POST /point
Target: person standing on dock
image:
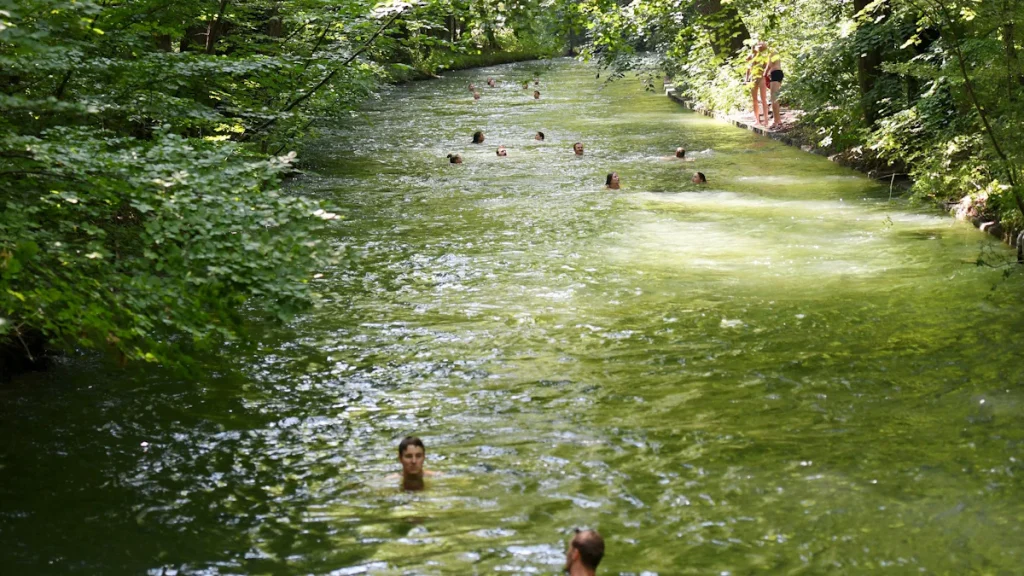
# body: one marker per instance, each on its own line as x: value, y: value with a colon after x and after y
x: 585, y: 552
x: 755, y: 76
x: 772, y: 78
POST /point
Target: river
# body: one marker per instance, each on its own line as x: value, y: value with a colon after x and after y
x: 780, y: 371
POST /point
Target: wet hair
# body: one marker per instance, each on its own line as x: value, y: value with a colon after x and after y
x: 454, y: 158
x: 478, y: 137
x: 608, y: 179
x: 541, y: 134
x: 574, y: 144
x: 413, y: 441
x: 536, y: 93
x: 591, y: 547
x: 700, y: 176
x: 680, y: 152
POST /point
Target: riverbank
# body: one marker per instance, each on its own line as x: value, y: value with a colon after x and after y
x: 967, y: 209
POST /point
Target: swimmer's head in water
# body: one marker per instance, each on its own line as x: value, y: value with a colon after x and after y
x: 699, y: 178
x: 578, y: 148
x: 476, y: 95
x: 472, y: 86
x: 586, y: 549
x: 536, y: 94
x: 612, y: 180
x: 539, y: 136
x: 526, y: 85
x: 490, y: 82
x: 455, y: 158
x: 412, y: 453
x: 680, y: 152
x: 501, y: 151
x: 478, y: 137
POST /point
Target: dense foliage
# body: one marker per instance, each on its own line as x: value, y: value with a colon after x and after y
x: 931, y: 85
x: 143, y: 144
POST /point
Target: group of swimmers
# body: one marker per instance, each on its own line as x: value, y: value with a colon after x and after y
x: 585, y: 549
x: 492, y: 84
x: 611, y: 180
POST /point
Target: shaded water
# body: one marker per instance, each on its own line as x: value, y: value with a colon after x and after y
x: 777, y: 372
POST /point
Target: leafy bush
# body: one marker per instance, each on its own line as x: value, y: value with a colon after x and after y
x: 148, y: 248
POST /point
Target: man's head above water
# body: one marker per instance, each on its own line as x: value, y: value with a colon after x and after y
x: 412, y: 453
x: 584, y: 554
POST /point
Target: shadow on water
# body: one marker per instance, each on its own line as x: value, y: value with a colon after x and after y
x: 779, y: 371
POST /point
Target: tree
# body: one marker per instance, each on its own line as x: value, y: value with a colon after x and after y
x: 142, y: 146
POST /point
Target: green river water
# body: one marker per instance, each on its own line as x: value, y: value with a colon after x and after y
x: 780, y: 372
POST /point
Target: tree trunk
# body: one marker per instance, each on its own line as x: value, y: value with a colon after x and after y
x: 163, y: 42
x: 1014, y: 78
x: 213, y: 31
x: 869, y: 62
x: 275, y: 27
x: 729, y: 34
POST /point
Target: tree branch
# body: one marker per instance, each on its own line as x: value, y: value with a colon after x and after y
x: 292, y: 35
x: 270, y: 122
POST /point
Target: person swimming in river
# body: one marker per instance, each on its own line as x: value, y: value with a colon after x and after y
x: 586, y: 549
x: 412, y: 454
x: 478, y: 137
x: 472, y: 87
x: 699, y: 178
x: 577, y: 148
x: 490, y: 82
x: 501, y: 151
x: 611, y: 182
x: 476, y: 95
x: 536, y: 94
x: 539, y: 136
x: 680, y: 154
x: 455, y: 158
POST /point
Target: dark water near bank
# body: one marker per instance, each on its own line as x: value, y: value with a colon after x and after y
x: 778, y: 372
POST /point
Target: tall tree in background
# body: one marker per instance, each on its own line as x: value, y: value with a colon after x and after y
x: 870, y: 39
